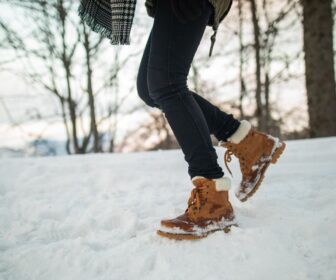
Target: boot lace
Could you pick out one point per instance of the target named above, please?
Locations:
(197, 199)
(228, 158)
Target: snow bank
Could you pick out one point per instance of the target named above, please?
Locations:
(95, 216)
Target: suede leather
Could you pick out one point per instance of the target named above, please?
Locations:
(204, 205)
(255, 152)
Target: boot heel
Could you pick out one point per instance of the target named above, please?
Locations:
(278, 152)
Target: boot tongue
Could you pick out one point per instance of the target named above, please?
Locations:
(198, 181)
(198, 194)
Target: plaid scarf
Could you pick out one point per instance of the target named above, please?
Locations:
(111, 18)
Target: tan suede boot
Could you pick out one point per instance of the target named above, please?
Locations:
(255, 151)
(209, 210)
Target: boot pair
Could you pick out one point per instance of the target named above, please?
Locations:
(209, 208)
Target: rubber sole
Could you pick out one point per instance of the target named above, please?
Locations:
(275, 157)
(187, 236)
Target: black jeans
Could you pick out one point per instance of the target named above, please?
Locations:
(162, 83)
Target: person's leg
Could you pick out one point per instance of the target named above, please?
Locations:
(172, 49)
(237, 137)
(142, 86)
(220, 124)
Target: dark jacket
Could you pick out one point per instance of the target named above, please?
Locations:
(221, 9)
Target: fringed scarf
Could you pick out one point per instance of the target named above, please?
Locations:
(111, 18)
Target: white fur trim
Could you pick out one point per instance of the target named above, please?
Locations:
(223, 184)
(241, 132)
(220, 143)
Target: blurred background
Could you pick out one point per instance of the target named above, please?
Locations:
(66, 90)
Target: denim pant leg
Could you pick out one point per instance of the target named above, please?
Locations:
(173, 45)
(220, 124)
(142, 86)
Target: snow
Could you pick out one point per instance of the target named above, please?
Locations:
(95, 217)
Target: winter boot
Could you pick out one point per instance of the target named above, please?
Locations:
(255, 152)
(209, 210)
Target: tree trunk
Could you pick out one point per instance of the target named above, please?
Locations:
(67, 69)
(256, 28)
(320, 72)
(241, 60)
(93, 122)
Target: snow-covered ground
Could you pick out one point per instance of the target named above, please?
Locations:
(95, 217)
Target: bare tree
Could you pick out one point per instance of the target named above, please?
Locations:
(267, 19)
(154, 133)
(257, 48)
(319, 60)
(68, 56)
